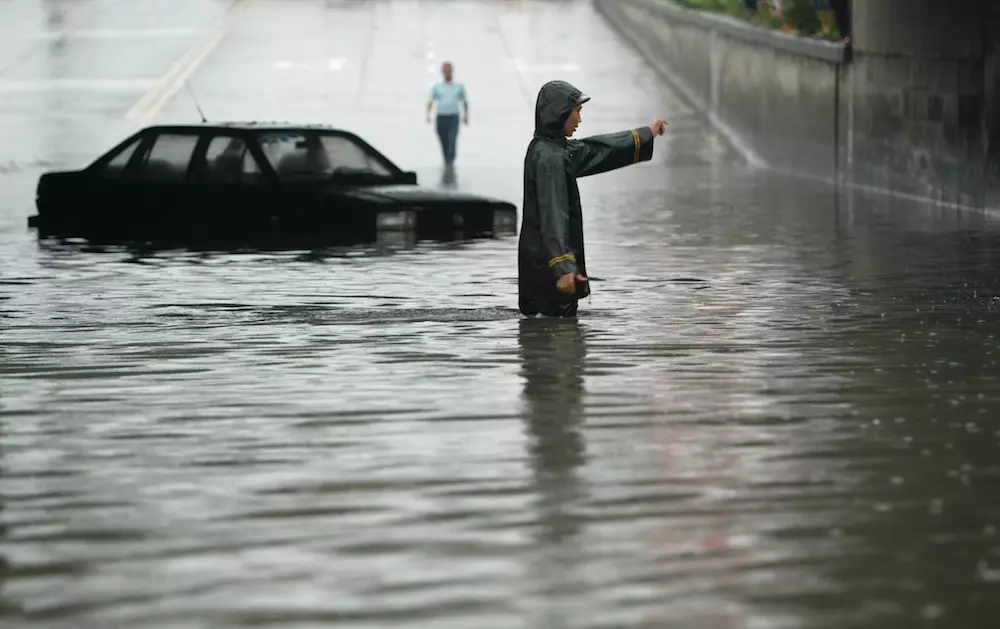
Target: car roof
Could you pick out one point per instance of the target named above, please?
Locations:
(253, 126)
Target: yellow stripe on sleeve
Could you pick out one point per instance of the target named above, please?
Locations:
(563, 258)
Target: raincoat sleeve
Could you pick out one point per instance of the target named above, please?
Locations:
(553, 210)
(601, 153)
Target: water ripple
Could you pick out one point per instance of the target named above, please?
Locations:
(777, 409)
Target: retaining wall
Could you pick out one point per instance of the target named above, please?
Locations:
(911, 107)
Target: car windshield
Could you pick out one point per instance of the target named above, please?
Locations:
(307, 156)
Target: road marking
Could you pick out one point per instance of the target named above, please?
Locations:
(156, 98)
(554, 67)
(335, 64)
(69, 26)
(113, 34)
(520, 66)
(94, 85)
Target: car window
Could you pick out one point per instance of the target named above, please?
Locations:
(229, 160)
(347, 154)
(118, 163)
(307, 156)
(169, 157)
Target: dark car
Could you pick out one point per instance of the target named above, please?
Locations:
(267, 183)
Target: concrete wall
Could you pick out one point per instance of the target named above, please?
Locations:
(911, 107)
(918, 92)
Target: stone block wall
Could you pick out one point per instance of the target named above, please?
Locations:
(922, 120)
(913, 106)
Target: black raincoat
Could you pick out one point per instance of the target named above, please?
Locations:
(551, 240)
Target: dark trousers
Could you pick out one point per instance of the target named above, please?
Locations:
(447, 130)
(547, 308)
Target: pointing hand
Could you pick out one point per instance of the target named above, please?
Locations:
(659, 126)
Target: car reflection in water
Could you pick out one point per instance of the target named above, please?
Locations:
(268, 185)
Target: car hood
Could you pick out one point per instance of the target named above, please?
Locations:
(404, 193)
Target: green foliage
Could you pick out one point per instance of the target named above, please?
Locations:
(800, 15)
(767, 20)
(797, 15)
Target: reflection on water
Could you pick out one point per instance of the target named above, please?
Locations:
(552, 355)
(449, 178)
(756, 421)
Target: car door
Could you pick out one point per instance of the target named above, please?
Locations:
(354, 169)
(296, 162)
(149, 199)
(106, 194)
(232, 198)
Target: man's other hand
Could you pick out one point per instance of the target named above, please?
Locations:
(567, 283)
(659, 126)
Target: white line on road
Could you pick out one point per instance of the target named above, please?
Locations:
(113, 34)
(520, 66)
(335, 64)
(154, 100)
(93, 85)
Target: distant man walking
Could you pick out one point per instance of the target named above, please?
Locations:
(551, 262)
(450, 98)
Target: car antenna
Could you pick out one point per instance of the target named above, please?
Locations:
(195, 99)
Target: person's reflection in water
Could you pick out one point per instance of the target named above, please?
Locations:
(552, 354)
(6, 607)
(55, 21)
(448, 178)
(55, 14)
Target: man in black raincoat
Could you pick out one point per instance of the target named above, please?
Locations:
(551, 263)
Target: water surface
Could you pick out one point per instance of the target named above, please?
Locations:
(778, 409)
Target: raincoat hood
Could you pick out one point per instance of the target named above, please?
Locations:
(555, 101)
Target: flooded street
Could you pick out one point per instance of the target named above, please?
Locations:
(780, 407)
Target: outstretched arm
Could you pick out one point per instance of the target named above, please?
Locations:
(600, 153)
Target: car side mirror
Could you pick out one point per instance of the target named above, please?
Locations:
(410, 177)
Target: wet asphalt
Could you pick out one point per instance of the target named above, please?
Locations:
(779, 408)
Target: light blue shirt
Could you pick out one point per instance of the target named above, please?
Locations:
(448, 97)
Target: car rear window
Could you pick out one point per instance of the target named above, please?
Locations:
(296, 156)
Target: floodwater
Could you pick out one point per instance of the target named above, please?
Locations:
(780, 407)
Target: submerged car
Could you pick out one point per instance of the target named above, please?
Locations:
(268, 183)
